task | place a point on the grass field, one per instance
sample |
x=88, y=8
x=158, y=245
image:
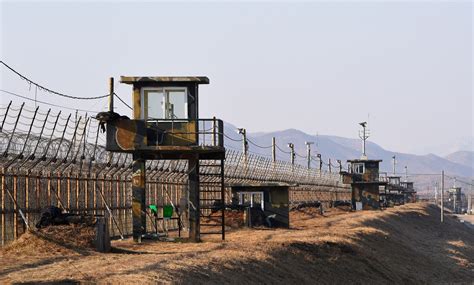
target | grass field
x=403, y=245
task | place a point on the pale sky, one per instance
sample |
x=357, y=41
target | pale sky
x=320, y=67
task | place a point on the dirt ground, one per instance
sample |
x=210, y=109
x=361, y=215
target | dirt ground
x=406, y=244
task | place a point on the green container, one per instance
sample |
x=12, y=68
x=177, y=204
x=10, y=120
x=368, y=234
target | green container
x=153, y=209
x=167, y=211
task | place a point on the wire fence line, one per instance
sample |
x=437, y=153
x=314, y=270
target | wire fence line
x=59, y=159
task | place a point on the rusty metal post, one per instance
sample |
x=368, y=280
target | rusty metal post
x=394, y=161
x=194, y=200
x=214, y=131
x=138, y=198
x=320, y=163
x=308, y=153
x=273, y=151
x=292, y=153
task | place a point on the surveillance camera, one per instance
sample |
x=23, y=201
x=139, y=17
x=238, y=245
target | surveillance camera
x=363, y=124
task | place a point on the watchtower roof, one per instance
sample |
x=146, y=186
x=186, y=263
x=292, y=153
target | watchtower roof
x=363, y=160
x=164, y=79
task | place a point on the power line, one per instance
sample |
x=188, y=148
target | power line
x=287, y=152
x=123, y=101
x=257, y=144
x=301, y=156
x=239, y=140
x=41, y=87
x=46, y=103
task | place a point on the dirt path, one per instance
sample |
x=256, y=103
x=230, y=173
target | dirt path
x=406, y=244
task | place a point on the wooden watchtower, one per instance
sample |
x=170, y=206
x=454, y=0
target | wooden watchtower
x=166, y=125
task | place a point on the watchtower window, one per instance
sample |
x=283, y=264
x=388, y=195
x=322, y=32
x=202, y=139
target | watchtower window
x=164, y=103
x=394, y=180
x=358, y=168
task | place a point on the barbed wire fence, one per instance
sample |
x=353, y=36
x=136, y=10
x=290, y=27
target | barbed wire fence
x=59, y=159
x=49, y=157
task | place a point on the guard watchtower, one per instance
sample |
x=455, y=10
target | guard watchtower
x=166, y=125
x=394, y=192
x=364, y=179
x=363, y=175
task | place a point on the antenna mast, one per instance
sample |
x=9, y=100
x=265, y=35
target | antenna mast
x=364, y=135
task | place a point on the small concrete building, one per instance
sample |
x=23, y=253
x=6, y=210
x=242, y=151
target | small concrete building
x=363, y=175
x=409, y=192
x=266, y=203
x=394, y=191
x=455, y=200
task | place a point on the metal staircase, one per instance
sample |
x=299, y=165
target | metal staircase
x=212, y=197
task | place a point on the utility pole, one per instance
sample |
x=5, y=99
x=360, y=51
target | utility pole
x=245, y=145
x=273, y=150
x=364, y=135
x=442, y=196
x=308, y=153
x=111, y=94
x=406, y=173
x=320, y=163
x=111, y=106
x=292, y=153
x=436, y=192
x=394, y=164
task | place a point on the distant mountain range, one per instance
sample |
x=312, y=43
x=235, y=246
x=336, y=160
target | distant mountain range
x=465, y=158
x=460, y=163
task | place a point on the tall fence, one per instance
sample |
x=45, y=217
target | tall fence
x=59, y=159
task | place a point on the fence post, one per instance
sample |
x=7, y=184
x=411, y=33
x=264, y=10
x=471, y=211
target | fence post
x=49, y=190
x=77, y=192
x=27, y=198
x=15, y=207
x=86, y=193
x=68, y=188
x=58, y=187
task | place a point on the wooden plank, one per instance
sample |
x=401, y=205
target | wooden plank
x=94, y=192
x=68, y=189
x=86, y=192
x=117, y=201
x=15, y=208
x=110, y=198
x=77, y=192
x=58, y=188
x=49, y=190
x=27, y=197
x=37, y=192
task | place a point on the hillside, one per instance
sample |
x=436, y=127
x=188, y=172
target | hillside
x=402, y=245
x=465, y=158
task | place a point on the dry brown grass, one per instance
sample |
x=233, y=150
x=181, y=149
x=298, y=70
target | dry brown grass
x=406, y=244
